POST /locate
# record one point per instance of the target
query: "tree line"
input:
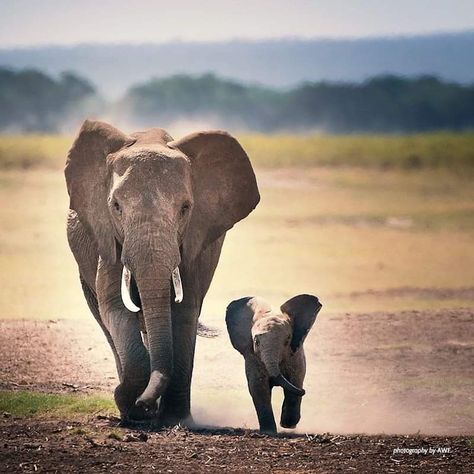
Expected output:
(33, 101)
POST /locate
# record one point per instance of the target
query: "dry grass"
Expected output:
(433, 150)
(453, 151)
(33, 151)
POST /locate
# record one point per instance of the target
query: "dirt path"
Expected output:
(404, 372)
(52, 356)
(97, 446)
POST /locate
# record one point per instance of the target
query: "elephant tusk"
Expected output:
(125, 291)
(177, 285)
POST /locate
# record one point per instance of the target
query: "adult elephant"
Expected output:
(147, 213)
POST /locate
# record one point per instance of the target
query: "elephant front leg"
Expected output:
(175, 405)
(291, 410)
(135, 365)
(294, 370)
(124, 330)
(260, 390)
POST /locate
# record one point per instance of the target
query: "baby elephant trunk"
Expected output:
(270, 359)
(281, 381)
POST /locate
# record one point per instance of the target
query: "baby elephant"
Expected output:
(272, 345)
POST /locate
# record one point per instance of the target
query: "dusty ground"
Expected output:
(99, 447)
(406, 372)
(390, 256)
(402, 372)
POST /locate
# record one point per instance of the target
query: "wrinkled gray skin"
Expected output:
(152, 204)
(272, 345)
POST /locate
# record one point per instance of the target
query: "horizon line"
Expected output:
(174, 41)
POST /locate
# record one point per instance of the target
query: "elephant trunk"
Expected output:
(152, 260)
(271, 362)
(281, 381)
(155, 299)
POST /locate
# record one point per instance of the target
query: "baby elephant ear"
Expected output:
(302, 310)
(239, 320)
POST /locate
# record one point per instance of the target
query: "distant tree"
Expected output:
(32, 101)
(385, 104)
(381, 104)
(181, 96)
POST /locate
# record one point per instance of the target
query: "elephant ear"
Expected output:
(224, 185)
(302, 310)
(87, 184)
(239, 319)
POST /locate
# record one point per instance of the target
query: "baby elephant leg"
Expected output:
(260, 391)
(294, 370)
(291, 410)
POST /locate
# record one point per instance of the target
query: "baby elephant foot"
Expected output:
(291, 412)
(268, 430)
(289, 421)
(268, 426)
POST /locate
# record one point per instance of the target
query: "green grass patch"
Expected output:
(453, 151)
(36, 404)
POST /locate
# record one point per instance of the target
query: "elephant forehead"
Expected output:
(147, 171)
(157, 158)
(259, 306)
(271, 323)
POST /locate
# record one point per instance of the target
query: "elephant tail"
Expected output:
(206, 331)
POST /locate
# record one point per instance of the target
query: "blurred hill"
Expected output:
(277, 63)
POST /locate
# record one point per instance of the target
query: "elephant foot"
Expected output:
(289, 426)
(266, 421)
(289, 419)
(267, 425)
(290, 412)
(131, 423)
(172, 419)
(125, 398)
(137, 413)
(175, 410)
(268, 430)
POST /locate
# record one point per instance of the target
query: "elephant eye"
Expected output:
(117, 207)
(257, 342)
(185, 208)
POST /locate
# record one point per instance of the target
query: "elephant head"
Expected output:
(255, 328)
(154, 204)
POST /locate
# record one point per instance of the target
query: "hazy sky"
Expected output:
(37, 22)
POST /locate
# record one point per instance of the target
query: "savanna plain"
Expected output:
(380, 228)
